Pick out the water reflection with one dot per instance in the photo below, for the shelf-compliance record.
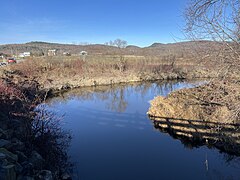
(195, 133)
(114, 119)
(114, 139)
(116, 96)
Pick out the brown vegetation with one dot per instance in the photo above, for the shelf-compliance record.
(219, 100)
(213, 102)
(60, 72)
(26, 128)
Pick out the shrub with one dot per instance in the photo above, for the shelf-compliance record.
(8, 91)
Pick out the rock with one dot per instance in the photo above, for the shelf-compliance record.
(37, 160)
(21, 156)
(8, 172)
(3, 134)
(25, 178)
(9, 133)
(15, 123)
(66, 176)
(3, 156)
(44, 175)
(17, 126)
(26, 85)
(10, 156)
(4, 162)
(27, 168)
(4, 143)
(4, 125)
(17, 145)
(18, 168)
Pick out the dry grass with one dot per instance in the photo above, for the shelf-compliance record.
(217, 101)
(99, 65)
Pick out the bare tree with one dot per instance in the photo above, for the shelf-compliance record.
(111, 43)
(118, 43)
(217, 20)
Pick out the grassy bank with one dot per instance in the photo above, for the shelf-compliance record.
(217, 101)
(69, 72)
(208, 114)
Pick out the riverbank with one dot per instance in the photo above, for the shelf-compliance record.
(116, 115)
(59, 73)
(217, 101)
(209, 114)
(32, 145)
(27, 84)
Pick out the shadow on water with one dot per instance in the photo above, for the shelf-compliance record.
(195, 133)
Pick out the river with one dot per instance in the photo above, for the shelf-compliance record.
(113, 138)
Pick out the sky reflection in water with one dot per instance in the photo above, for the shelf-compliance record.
(113, 139)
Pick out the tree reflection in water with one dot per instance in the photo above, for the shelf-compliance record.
(115, 96)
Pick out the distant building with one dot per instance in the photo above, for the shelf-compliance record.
(52, 52)
(25, 54)
(67, 54)
(83, 53)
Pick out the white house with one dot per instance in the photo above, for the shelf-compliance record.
(27, 54)
(67, 54)
(83, 53)
(52, 52)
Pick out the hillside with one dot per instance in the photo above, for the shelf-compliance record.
(157, 49)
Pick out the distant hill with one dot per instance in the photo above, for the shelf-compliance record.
(43, 47)
(156, 49)
(157, 45)
(132, 47)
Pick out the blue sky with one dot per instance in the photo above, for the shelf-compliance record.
(95, 21)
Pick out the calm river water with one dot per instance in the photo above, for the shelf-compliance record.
(113, 139)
